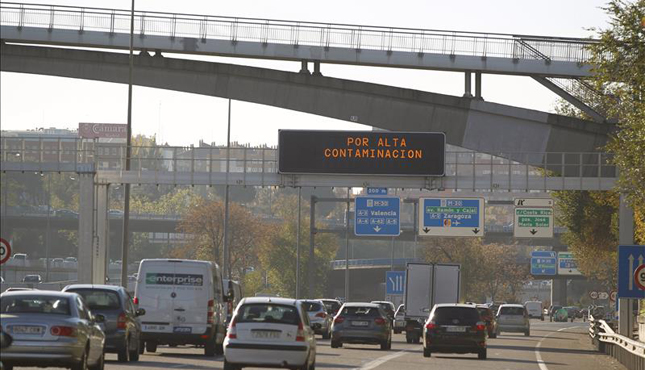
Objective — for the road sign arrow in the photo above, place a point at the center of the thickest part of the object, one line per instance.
(426, 230)
(377, 229)
(631, 269)
(475, 230)
(533, 231)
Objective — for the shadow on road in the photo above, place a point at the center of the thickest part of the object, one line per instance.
(545, 349)
(496, 359)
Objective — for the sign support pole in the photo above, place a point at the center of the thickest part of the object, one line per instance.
(347, 248)
(226, 257)
(298, 247)
(625, 237)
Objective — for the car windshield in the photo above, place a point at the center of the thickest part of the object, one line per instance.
(511, 311)
(35, 304)
(99, 299)
(311, 306)
(361, 311)
(455, 316)
(268, 313)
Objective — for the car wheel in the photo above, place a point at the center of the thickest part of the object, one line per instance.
(416, 340)
(397, 331)
(312, 366)
(230, 366)
(482, 354)
(326, 335)
(493, 335)
(384, 345)
(219, 349)
(336, 344)
(142, 347)
(82, 364)
(100, 364)
(426, 352)
(151, 347)
(542, 318)
(209, 348)
(122, 355)
(8, 367)
(134, 355)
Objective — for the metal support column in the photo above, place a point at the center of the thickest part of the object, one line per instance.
(478, 85)
(298, 246)
(304, 68)
(625, 237)
(312, 233)
(347, 248)
(102, 237)
(317, 69)
(468, 90)
(85, 227)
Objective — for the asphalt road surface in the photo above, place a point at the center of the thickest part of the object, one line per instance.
(551, 346)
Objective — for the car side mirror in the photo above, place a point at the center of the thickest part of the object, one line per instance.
(98, 318)
(140, 312)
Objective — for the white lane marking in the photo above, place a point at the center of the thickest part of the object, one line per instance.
(381, 360)
(538, 357)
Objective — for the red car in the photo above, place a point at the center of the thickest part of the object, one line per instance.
(489, 317)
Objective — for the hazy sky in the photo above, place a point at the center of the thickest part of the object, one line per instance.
(31, 101)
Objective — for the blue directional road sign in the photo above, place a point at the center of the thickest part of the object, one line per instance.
(631, 271)
(376, 191)
(451, 216)
(544, 263)
(394, 282)
(377, 216)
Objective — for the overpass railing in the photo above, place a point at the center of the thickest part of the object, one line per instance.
(464, 169)
(629, 352)
(296, 33)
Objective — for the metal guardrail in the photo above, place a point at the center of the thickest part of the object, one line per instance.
(522, 171)
(629, 352)
(296, 33)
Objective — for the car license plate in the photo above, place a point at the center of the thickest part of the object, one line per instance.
(20, 329)
(456, 329)
(154, 328)
(360, 323)
(265, 334)
(182, 329)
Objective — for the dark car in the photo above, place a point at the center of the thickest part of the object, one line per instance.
(454, 328)
(552, 311)
(35, 279)
(363, 323)
(121, 327)
(331, 305)
(66, 213)
(388, 307)
(489, 318)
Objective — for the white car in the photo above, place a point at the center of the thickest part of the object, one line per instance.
(270, 332)
(184, 303)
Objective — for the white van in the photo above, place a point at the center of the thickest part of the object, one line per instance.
(534, 309)
(184, 303)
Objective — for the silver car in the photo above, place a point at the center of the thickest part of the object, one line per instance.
(513, 318)
(50, 329)
(319, 319)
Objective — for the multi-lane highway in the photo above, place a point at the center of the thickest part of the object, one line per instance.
(552, 346)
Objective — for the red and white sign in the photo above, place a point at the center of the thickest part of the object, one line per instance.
(639, 277)
(5, 251)
(593, 294)
(613, 295)
(603, 295)
(102, 130)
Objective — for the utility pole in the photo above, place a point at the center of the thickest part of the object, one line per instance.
(128, 152)
(226, 258)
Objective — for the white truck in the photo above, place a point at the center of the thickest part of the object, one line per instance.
(427, 284)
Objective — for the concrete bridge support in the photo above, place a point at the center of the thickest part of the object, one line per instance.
(102, 235)
(85, 227)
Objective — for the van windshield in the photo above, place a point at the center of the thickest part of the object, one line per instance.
(268, 313)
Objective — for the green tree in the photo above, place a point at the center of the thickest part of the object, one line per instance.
(619, 70)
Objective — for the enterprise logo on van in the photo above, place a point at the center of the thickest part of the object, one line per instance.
(159, 278)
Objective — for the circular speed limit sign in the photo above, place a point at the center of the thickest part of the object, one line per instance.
(5, 251)
(613, 295)
(593, 295)
(639, 277)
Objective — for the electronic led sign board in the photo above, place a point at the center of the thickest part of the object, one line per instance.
(362, 152)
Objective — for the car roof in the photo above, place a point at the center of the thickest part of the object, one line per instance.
(482, 306)
(383, 302)
(48, 293)
(461, 305)
(115, 288)
(511, 305)
(361, 304)
(310, 300)
(328, 300)
(276, 300)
